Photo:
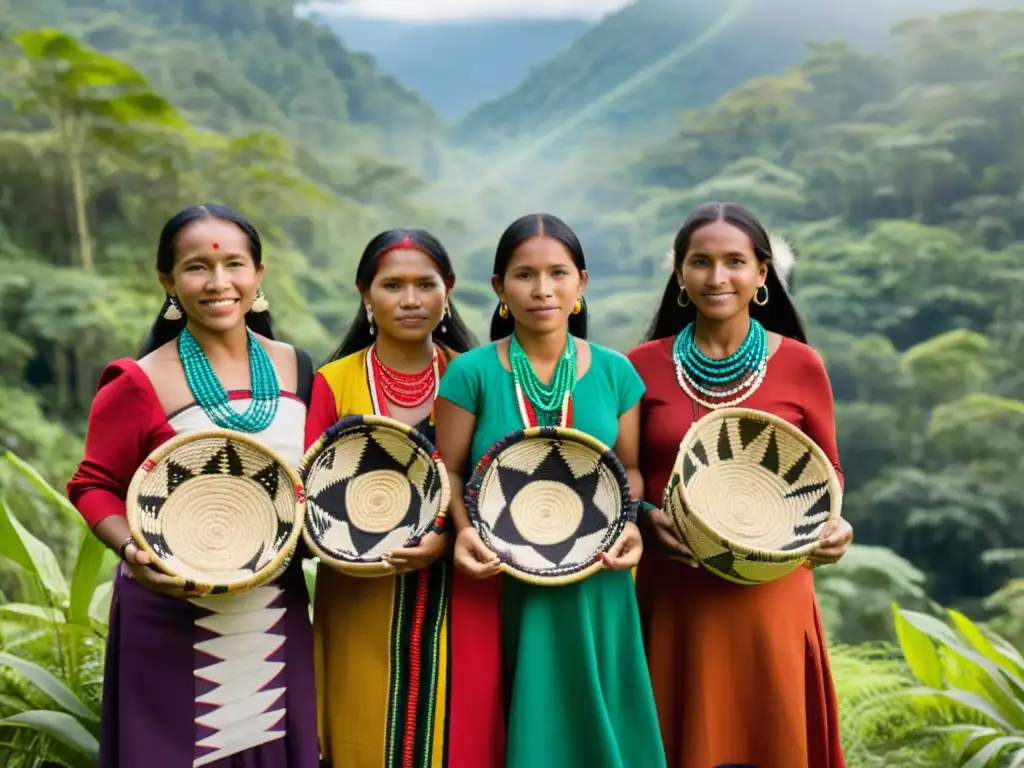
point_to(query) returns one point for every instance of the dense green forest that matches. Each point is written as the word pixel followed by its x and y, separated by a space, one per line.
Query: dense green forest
pixel 898 176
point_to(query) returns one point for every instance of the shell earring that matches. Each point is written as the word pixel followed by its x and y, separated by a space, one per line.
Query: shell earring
pixel 369 319
pixel 173 311
pixel 260 304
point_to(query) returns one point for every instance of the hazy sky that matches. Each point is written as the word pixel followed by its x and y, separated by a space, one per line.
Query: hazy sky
pixel 421 10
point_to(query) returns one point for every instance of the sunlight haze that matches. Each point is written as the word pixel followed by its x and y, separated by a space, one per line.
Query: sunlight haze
pixel 449 10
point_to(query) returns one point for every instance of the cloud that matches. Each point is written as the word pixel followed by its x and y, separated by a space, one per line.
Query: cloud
pixel 451 10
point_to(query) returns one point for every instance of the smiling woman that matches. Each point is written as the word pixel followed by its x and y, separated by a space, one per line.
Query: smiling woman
pixel 727 333
pixel 235 673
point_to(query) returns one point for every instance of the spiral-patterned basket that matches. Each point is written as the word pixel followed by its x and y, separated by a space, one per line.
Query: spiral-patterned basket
pixel 373 484
pixel 751 495
pixel 549 501
pixel 217 510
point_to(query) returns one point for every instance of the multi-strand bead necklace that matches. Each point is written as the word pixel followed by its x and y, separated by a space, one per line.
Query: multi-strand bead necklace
pixel 726 382
pixel 543 404
pixel 214 399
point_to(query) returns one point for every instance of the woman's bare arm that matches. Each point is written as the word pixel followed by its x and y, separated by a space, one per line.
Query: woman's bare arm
pixel 627 448
pixel 454 435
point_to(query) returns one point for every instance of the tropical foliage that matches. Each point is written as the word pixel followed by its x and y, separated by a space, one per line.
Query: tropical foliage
pixel 898 178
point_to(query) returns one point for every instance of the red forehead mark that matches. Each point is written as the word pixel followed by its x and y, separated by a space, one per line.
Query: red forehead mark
pixel 216 246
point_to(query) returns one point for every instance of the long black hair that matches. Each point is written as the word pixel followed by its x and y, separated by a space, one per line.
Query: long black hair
pixel 520 230
pixel 778 315
pixel 165 330
pixel 452 333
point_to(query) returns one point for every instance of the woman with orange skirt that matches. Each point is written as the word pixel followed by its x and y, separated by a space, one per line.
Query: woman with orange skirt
pixel 741 675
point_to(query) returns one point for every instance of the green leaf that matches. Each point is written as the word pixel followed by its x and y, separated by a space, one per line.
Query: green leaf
pixel 86 576
pixel 992 680
pixel 918 650
pixel 49 43
pixel 49 684
pixel 99 607
pixel 50 615
pixel 36 480
pixel 976 637
pixel 22 548
pixel 62 727
pixel 992 750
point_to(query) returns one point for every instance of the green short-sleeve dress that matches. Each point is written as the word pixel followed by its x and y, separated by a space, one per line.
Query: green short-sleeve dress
pixel 576 685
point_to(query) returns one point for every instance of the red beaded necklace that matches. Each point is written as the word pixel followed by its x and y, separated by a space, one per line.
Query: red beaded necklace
pixel 406 390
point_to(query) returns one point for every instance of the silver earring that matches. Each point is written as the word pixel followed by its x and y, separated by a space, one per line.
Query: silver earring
pixel 369 319
pixel 447 313
pixel 173 311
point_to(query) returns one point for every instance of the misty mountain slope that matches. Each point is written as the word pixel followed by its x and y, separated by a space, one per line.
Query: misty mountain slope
pixel 633 73
pixel 232 65
pixel 456 66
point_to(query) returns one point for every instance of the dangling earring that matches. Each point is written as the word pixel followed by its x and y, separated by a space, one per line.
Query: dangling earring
pixel 173 311
pixel 260 304
pixel 446 313
pixel 578 306
pixel 682 295
pixel 761 302
pixel 369 319
pixel 503 311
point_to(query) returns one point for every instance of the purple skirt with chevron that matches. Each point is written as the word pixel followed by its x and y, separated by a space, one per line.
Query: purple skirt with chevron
pixel 224 682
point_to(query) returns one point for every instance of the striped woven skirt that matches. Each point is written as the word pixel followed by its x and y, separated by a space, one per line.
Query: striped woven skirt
pixel 382 667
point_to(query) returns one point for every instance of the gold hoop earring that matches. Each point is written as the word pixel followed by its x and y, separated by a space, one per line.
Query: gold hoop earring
pixel 761 302
pixel 578 306
pixel 682 295
pixel 503 311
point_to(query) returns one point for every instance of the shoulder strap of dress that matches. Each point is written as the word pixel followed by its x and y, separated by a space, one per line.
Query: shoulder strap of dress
pixel 304 385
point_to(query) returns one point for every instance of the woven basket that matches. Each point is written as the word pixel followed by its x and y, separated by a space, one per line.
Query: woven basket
pixel 217 510
pixel 373 484
pixel 548 501
pixel 751 495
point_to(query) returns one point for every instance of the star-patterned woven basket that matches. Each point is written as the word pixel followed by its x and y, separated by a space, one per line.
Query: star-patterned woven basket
pixel 549 501
pixel 751 495
pixel 373 484
pixel 216 510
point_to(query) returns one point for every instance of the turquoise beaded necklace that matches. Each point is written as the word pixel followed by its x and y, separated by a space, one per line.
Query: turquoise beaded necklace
pixel 213 398
pixel 739 374
pixel 548 400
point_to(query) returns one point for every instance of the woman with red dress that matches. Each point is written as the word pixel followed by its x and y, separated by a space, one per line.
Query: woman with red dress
pixel 741 675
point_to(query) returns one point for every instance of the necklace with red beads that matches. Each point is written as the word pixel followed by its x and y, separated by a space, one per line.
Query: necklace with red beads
pixel 405 390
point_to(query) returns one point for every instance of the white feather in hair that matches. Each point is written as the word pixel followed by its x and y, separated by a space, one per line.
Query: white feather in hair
pixel 783 257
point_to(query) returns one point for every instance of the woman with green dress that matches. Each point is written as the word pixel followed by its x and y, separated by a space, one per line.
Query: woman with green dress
pixel 543 676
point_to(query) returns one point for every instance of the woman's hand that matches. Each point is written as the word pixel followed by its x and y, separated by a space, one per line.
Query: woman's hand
pixel 405 559
pixel 669 537
pixel 473 557
pixel 137 566
pixel 625 552
pixel 834 545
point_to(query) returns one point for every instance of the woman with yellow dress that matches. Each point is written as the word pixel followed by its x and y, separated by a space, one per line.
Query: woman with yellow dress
pixel 381 644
